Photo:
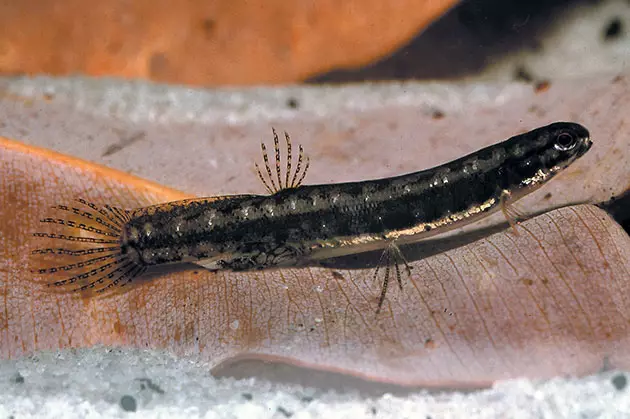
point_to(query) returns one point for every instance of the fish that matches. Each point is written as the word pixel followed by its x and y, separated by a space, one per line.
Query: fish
pixel 297 224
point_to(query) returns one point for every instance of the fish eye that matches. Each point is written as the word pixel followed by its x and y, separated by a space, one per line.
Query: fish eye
pixel 565 141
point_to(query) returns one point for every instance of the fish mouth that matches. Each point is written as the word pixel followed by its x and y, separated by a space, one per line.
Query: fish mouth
pixel 586 145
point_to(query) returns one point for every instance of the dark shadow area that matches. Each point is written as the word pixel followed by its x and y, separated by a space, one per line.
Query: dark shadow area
pixel 413 252
pixel 423 248
pixel 465 40
pixel 619 209
pixel 156 272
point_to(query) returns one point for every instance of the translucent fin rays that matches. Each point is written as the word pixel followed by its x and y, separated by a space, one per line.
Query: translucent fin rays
pixel 92 238
pixel 392 255
pixel 279 184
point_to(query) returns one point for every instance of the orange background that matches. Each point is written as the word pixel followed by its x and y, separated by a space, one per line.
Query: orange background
pixel 221 42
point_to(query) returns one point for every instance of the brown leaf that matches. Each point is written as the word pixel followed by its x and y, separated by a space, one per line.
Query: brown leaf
pixel 551 300
pixel 205 43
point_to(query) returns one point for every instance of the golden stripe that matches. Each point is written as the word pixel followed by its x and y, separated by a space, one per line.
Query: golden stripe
pixel 442 222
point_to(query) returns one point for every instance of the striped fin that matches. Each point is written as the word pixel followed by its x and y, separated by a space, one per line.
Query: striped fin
pixel 85 256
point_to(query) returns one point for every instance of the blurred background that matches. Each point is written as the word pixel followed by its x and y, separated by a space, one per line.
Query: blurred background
pixel 248 42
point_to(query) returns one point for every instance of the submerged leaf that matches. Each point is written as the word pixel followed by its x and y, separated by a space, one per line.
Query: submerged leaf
pixel 479 307
pixel 551 300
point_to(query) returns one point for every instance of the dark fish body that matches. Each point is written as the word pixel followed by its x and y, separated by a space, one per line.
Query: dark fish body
pixel 256 231
pixel 298 224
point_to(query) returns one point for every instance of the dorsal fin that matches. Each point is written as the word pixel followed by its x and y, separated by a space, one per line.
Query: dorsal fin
pixel 275 186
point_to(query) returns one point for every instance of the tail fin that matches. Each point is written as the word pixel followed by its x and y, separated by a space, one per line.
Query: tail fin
pixel 89 258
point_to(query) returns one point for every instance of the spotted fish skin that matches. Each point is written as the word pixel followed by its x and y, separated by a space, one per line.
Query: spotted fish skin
pixel 110 247
pixel 314 221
